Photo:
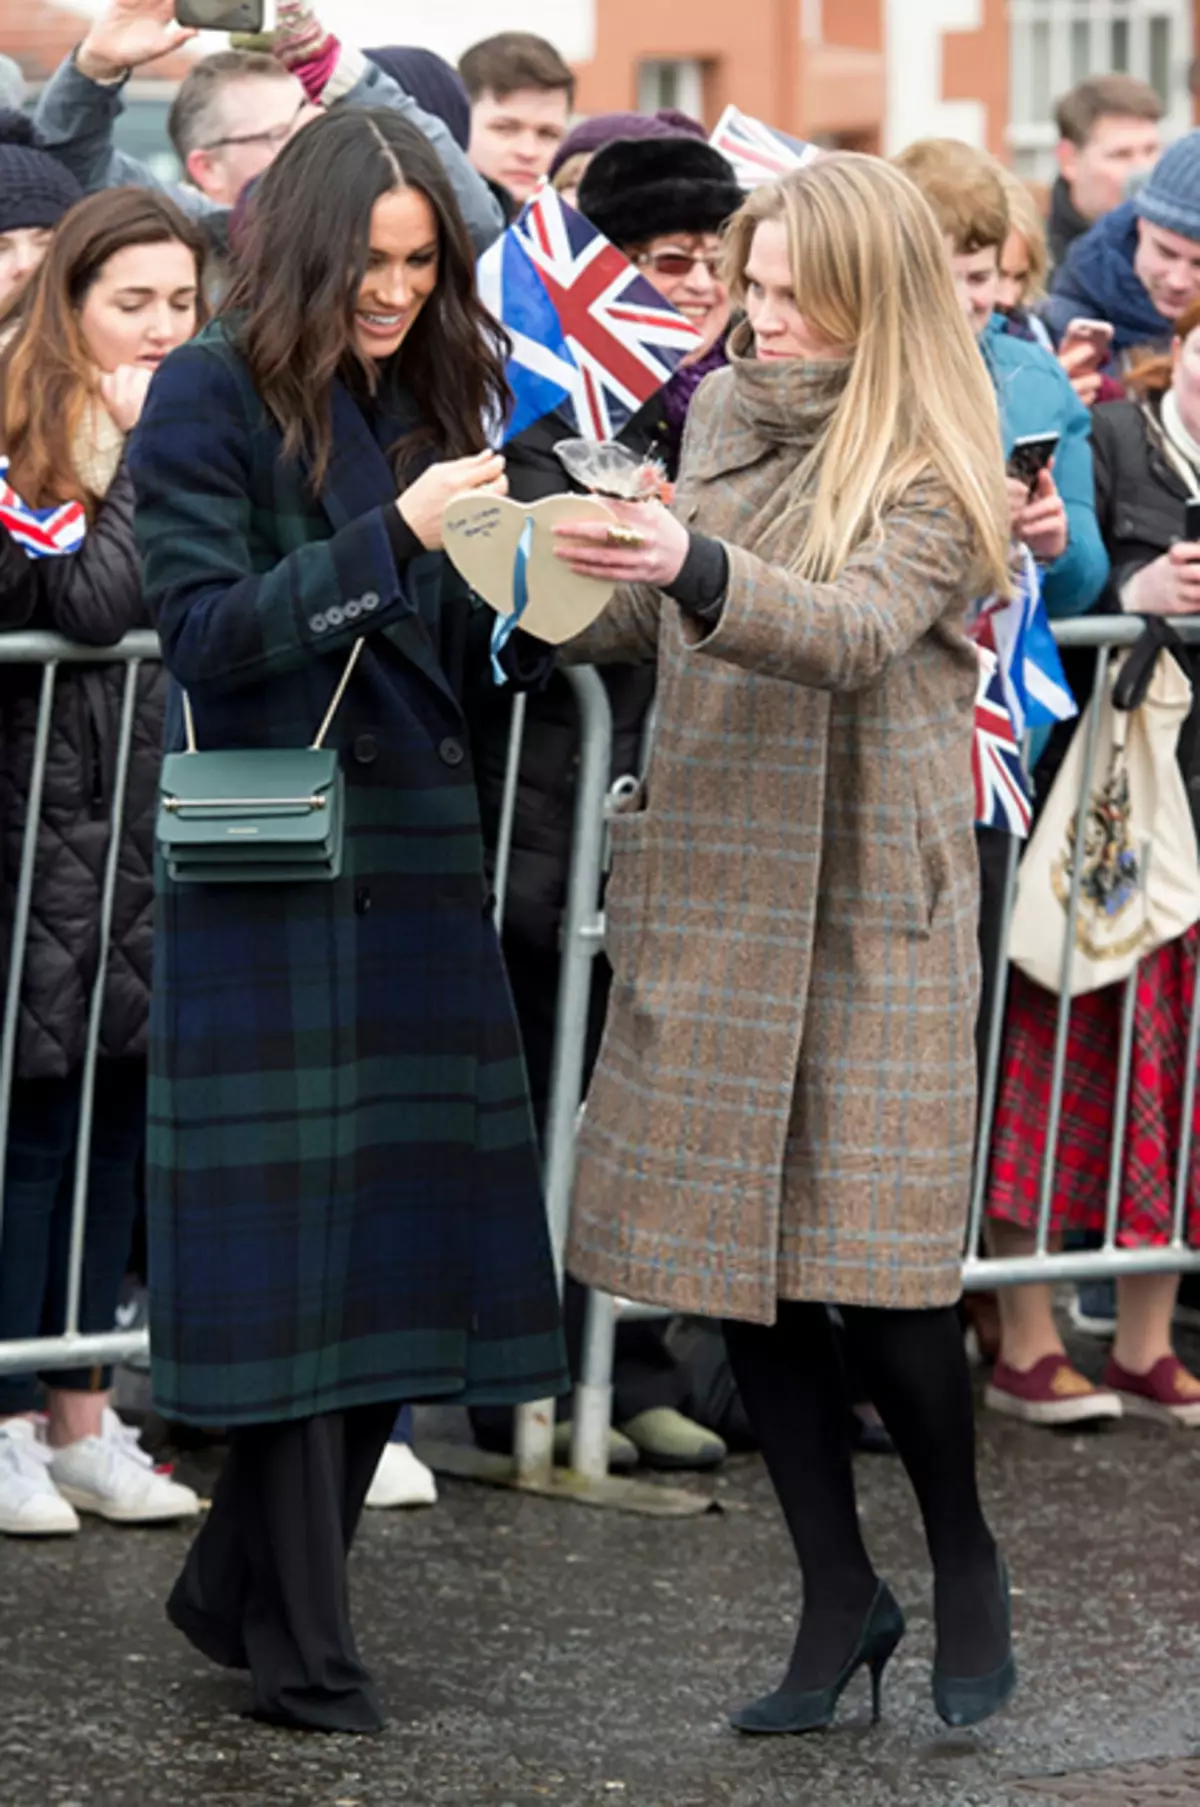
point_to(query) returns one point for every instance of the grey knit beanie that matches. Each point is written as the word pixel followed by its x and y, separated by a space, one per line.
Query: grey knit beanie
pixel 1171 197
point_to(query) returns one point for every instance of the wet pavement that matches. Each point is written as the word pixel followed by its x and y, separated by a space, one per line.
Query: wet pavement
pixel 540 1654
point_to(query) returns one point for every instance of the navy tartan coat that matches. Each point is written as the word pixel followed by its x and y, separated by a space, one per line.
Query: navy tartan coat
pixel 344 1199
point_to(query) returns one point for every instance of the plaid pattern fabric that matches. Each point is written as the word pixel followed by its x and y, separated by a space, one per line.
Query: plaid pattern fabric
pixel 1165 989
pixel 784 1103
pixel 344 1202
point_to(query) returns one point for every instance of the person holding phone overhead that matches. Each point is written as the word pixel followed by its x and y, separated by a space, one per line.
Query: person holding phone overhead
pixel 783 1111
pixel 1147 456
pixel 344 1198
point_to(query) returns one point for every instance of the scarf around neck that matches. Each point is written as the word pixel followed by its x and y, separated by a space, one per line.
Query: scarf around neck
pixel 61 528
pixel 780 410
pixel 789 403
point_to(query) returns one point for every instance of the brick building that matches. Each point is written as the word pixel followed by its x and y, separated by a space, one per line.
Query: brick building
pixel 869 74
pixel 877 73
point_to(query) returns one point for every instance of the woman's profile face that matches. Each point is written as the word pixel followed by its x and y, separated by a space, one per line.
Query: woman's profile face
pixel 141 305
pixel 401 274
pixel 1014 273
pixel 21 251
pixel 780 329
pixel 1186 378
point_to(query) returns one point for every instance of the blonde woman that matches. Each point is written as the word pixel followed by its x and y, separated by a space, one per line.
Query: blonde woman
pixel 783 1112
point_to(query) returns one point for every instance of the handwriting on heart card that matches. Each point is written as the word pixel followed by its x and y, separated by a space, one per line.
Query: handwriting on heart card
pixel 485 539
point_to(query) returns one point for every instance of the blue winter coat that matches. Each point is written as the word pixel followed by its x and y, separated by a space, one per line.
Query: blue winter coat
pixel 344 1204
pixel 1035 396
pixel 1096 281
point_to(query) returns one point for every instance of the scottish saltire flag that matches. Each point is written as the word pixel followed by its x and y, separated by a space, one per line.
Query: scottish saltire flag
pixel 1017 630
pixel 40 532
pixel 540 370
pixel 758 152
pixel 1001 788
pixel 624 340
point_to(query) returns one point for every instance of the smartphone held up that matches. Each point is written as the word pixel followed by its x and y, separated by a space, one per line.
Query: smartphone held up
pixel 1097 335
pixel 1030 456
pixel 226 15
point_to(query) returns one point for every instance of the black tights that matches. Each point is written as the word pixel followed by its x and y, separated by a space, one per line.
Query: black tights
pixel 915 1372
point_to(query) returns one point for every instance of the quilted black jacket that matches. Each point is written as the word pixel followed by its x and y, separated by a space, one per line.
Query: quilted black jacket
pixel 93 596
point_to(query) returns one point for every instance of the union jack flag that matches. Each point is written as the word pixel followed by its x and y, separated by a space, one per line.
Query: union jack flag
pixel 624 339
pixel 1001 788
pixel 40 532
pixel 758 152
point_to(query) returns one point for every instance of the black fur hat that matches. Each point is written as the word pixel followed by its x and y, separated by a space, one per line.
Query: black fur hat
pixel 640 188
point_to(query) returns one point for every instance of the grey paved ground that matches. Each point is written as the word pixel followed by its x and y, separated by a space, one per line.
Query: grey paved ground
pixel 542 1655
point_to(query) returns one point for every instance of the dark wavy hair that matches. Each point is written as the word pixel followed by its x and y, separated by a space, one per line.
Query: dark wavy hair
pixel 301 262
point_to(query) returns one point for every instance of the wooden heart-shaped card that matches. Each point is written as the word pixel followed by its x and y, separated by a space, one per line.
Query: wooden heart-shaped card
pixel 485 538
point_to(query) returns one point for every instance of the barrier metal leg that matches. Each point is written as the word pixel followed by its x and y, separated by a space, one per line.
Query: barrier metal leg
pixel 531 1466
pixel 594 1393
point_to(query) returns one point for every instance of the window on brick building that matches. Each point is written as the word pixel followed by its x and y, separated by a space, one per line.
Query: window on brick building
pixel 672 83
pixel 1056 43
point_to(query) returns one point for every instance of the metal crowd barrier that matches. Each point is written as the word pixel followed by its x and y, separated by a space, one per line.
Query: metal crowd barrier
pixel 583 932
pixel 1106 635
pixel 71 1349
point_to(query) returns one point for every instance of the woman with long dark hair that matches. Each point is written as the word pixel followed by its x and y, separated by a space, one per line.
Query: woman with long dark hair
pixel 119 287
pixel 344 1206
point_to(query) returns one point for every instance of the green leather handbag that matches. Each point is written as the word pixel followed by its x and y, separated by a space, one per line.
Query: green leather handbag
pixel 255 816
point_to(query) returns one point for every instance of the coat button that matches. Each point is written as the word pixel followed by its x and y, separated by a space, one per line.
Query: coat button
pixel 366 749
pixel 452 752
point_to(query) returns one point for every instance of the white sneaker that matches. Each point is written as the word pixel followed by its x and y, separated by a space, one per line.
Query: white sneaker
pixel 113 1476
pixel 401 1480
pixel 30 1503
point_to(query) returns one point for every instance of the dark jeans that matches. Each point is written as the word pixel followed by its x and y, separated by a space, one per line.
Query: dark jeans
pixel 35 1237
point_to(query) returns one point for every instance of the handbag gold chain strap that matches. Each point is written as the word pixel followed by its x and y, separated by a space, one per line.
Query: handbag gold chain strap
pixel 189 724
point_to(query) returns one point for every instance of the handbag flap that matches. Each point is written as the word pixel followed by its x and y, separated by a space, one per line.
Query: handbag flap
pixel 256 799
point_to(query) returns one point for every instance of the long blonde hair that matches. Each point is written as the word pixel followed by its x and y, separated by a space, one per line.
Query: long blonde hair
pixel 870 272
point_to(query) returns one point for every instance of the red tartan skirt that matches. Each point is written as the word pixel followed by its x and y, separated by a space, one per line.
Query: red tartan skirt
pixel 1165 988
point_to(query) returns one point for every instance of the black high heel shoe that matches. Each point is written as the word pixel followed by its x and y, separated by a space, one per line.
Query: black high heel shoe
pixel 812 1709
pixel 968 1700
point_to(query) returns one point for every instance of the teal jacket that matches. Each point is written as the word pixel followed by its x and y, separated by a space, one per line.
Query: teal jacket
pixel 1035 397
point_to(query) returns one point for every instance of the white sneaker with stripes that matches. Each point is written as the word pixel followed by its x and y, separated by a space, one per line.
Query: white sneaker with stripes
pixel 112 1476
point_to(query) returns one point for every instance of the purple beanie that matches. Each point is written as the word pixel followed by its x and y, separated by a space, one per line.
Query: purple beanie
pixel 593 134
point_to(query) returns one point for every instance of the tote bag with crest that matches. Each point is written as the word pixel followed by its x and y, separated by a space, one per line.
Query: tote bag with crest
pixel 1139 877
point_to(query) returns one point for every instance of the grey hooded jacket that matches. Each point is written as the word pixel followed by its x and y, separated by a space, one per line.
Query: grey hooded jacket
pixel 74 121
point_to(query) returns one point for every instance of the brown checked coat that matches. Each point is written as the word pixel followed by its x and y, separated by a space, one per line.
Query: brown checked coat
pixel 784 1103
